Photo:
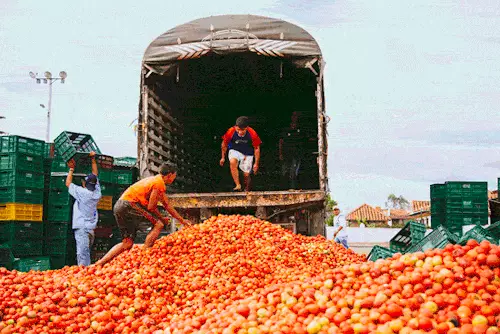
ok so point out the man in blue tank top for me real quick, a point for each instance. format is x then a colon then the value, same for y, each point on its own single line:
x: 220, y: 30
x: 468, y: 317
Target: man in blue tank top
x: 244, y: 144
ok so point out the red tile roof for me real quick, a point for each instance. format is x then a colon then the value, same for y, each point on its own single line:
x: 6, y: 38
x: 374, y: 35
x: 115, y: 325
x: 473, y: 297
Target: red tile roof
x: 420, y: 206
x: 367, y: 212
x: 396, y: 213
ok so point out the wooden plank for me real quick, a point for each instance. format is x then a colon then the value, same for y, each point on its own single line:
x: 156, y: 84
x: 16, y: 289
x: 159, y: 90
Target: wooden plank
x: 166, y: 110
x: 155, y: 108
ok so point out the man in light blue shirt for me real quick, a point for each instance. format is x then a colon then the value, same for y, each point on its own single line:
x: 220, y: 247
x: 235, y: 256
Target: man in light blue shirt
x: 85, y: 215
x: 340, y: 228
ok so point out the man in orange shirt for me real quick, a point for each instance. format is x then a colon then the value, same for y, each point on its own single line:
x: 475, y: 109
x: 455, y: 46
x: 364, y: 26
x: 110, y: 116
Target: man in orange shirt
x: 140, y: 201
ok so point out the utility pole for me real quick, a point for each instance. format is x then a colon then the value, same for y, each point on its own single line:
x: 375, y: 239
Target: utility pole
x: 48, y: 79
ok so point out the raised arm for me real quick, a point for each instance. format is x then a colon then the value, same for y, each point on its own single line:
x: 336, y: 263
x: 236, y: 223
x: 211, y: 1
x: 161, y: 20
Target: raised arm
x: 69, y: 178
x: 95, y: 171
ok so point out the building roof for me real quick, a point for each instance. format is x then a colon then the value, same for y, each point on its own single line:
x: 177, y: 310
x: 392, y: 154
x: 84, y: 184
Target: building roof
x: 396, y: 213
x: 367, y: 212
x: 420, y: 206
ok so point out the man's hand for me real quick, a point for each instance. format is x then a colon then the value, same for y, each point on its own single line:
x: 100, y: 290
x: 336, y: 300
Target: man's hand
x: 92, y: 155
x: 72, y: 163
x: 255, y: 168
x: 221, y: 162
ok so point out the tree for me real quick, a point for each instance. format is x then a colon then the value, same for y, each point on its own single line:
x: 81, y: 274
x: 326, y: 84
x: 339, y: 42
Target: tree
x: 395, y: 202
x: 330, y: 203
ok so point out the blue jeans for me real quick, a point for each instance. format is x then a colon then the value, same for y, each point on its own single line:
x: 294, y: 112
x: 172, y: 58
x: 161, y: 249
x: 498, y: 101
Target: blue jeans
x: 84, y: 241
x: 342, y: 241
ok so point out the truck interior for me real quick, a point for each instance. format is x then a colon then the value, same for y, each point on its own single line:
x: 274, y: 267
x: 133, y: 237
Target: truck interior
x: 205, y: 96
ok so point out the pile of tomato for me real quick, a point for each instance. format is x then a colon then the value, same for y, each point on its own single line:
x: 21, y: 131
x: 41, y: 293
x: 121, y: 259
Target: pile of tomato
x: 238, y: 274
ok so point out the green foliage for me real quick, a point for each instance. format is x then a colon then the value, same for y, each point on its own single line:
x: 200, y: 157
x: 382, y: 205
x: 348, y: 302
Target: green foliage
x: 330, y: 203
x: 395, y: 202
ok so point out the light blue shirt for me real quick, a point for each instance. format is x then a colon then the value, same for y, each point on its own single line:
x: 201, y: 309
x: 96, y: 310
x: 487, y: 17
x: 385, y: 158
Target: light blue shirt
x: 85, y: 207
x: 339, y: 221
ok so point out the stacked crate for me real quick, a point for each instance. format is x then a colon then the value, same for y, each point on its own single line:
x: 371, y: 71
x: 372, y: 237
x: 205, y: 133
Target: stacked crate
x: 21, y: 195
x: 458, y: 204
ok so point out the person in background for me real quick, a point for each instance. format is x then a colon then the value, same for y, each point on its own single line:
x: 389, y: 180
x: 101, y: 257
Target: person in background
x: 291, y: 151
x: 244, y: 144
x: 340, y: 228
x: 139, y: 202
x: 84, y: 210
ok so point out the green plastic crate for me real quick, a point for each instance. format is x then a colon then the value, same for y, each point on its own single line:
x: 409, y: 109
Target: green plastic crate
x: 459, y: 220
x: 22, y: 179
x: 59, y: 213
x: 124, y: 177
x: 55, y: 246
x: 106, y: 176
x: 21, y: 195
x: 57, y: 230
x: 24, y: 248
x: 68, y: 144
x: 58, y: 261
x: 18, y: 144
x: 120, y: 189
x: 438, y: 190
x: 107, y: 189
x: 40, y: 263
x: 494, y: 229
x: 379, y: 252
x: 466, y: 205
x: 438, y: 238
x: 465, y: 188
x: 6, y: 257
x: 20, y: 231
x: 106, y: 218
x: 59, y: 197
x: 58, y: 182
x: 21, y: 161
x: 410, y: 234
x: 479, y: 234
x: 128, y: 162
x: 60, y: 166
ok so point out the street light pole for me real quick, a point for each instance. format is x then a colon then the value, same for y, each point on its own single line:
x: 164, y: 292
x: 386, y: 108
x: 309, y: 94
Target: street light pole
x: 48, y: 79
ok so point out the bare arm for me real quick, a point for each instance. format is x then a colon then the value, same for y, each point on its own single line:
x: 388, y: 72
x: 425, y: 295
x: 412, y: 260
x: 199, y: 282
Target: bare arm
x: 171, y: 210
x: 223, y: 148
x: 153, y: 201
x: 257, y: 159
x: 94, y: 164
x: 69, y: 178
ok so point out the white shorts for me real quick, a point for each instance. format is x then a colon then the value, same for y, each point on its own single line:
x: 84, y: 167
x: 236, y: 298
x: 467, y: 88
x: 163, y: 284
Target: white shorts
x: 245, y: 161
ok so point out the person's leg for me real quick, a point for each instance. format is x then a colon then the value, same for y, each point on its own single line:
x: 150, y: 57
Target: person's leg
x: 233, y: 163
x: 247, y: 179
x: 294, y: 172
x: 246, y: 165
x: 82, y: 247
x: 153, y: 234
x: 126, y: 244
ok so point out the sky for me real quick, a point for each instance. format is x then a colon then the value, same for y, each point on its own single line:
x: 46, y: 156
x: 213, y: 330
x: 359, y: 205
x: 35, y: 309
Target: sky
x: 412, y: 87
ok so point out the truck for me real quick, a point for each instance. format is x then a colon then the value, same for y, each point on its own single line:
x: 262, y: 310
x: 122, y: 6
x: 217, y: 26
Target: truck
x: 197, y: 78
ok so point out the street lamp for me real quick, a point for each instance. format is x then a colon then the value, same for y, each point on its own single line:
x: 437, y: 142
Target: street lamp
x: 48, y: 79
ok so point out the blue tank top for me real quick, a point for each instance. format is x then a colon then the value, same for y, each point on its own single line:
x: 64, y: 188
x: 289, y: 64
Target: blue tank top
x: 242, y: 144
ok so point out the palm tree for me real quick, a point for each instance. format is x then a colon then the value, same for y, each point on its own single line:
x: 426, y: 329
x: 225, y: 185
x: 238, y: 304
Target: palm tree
x: 395, y: 202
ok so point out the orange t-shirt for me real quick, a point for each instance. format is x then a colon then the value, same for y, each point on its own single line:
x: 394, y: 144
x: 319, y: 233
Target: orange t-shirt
x: 141, y: 190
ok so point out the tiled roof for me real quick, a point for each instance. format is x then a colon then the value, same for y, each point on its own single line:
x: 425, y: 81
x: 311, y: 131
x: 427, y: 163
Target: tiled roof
x: 419, y: 206
x: 366, y: 212
x: 493, y: 194
x: 396, y: 213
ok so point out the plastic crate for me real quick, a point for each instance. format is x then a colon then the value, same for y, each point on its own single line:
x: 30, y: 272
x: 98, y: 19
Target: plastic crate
x: 438, y: 190
x: 128, y: 162
x: 120, y: 189
x: 479, y: 234
x: 55, y: 246
x: 21, y: 161
x: 59, y: 197
x: 20, y: 230
x: 461, y: 188
x: 59, y: 213
x: 106, y: 219
x: 379, y: 252
x: 106, y: 176
x: 18, y: 144
x: 58, y: 182
x: 32, y: 263
x: 494, y: 229
x: 58, y: 261
x: 68, y: 144
x: 462, y: 219
x: 57, y: 230
x: 466, y: 205
x: 21, y: 195
x: 410, y: 234
x: 21, y: 212
x: 105, y: 203
x: 6, y: 257
x: 107, y: 189
x: 124, y: 177
x: 22, y: 178
x: 25, y: 248
x: 438, y: 238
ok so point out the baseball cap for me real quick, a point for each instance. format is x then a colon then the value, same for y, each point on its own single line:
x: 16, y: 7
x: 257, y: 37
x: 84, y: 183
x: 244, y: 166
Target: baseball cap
x: 336, y: 208
x: 90, y: 182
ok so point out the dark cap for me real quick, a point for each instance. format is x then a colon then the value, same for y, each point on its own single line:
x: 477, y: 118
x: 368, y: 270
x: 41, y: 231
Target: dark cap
x: 90, y: 182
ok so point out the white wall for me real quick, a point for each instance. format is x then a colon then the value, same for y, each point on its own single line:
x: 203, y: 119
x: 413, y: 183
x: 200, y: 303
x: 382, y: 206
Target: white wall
x: 366, y: 234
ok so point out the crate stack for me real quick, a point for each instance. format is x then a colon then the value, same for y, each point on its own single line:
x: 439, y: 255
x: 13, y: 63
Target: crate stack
x: 21, y: 198
x: 458, y: 204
